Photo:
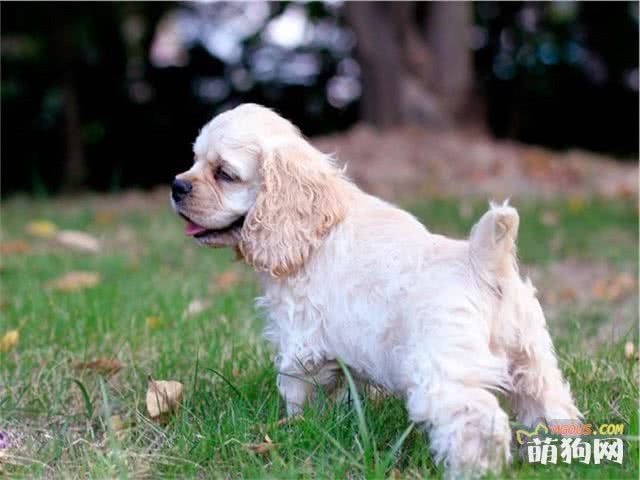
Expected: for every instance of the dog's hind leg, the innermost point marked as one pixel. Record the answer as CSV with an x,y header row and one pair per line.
x,y
468,431
538,390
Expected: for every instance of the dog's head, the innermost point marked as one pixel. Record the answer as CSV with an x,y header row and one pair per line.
x,y
257,185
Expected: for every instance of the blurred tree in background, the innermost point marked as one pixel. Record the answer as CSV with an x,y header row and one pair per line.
x,y
105,95
416,68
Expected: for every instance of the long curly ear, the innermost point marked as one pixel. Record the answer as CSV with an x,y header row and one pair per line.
x,y
300,200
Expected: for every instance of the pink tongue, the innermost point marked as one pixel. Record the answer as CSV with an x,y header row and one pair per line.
x,y
193,229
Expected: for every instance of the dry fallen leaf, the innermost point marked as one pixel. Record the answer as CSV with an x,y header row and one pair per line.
x,y
261,427
78,241
163,397
621,285
226,280
152,322
104,217
9,340
116,423
599,289
629,348
260,448
575,204
614,288
73,281
537,163
103,366
118,426
13,247
568,294
287,420
396,474
41,228
625,191
197,306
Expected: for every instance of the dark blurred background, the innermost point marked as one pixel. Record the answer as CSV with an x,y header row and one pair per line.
x,y
111,95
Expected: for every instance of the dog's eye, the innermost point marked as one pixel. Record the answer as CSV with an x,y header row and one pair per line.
x,y
220,174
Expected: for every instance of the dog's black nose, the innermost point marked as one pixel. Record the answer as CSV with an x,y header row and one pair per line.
x,y
179,188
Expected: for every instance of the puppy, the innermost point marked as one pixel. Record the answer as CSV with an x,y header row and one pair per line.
x,y
442,323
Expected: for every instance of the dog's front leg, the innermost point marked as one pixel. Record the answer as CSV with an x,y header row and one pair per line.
x,y
298,381
295,390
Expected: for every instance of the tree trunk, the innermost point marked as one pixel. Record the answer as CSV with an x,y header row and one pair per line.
x,y
75,170
405,78
380,57
448,31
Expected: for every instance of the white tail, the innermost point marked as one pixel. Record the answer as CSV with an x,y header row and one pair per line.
x,y
493,238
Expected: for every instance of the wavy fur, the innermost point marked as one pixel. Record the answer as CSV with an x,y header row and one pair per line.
x,y
300,200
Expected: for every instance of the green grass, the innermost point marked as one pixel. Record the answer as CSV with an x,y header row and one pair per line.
x,y
149,269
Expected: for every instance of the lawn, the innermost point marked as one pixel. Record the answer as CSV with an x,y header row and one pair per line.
x,y
64,421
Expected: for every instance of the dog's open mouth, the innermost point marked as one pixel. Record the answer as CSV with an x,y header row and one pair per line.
x,y
192,229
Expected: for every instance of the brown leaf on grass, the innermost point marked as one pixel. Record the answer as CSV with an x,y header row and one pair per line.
x,y
621,286
537,163
568,294
599,289
74,281
153,322
396,474
104,217
575,204
196,306
614,288
226,280
103,366
261,427
629,348
625,192
163,397
118,426
116,423
14,247
80,241
261,448
41,228
288,420
9,340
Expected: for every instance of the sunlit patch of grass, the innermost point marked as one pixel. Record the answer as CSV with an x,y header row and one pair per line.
x,y
149,269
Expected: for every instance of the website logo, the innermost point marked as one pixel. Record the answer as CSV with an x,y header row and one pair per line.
x,y
571,442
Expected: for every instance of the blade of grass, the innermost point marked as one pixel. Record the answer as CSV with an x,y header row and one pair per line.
x,y
88,405
390,457
370,450
232,387
113,443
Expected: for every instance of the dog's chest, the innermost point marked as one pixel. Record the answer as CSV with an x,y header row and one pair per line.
x,y
317,325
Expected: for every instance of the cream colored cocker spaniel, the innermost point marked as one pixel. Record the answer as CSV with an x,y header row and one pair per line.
x,y
444,324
